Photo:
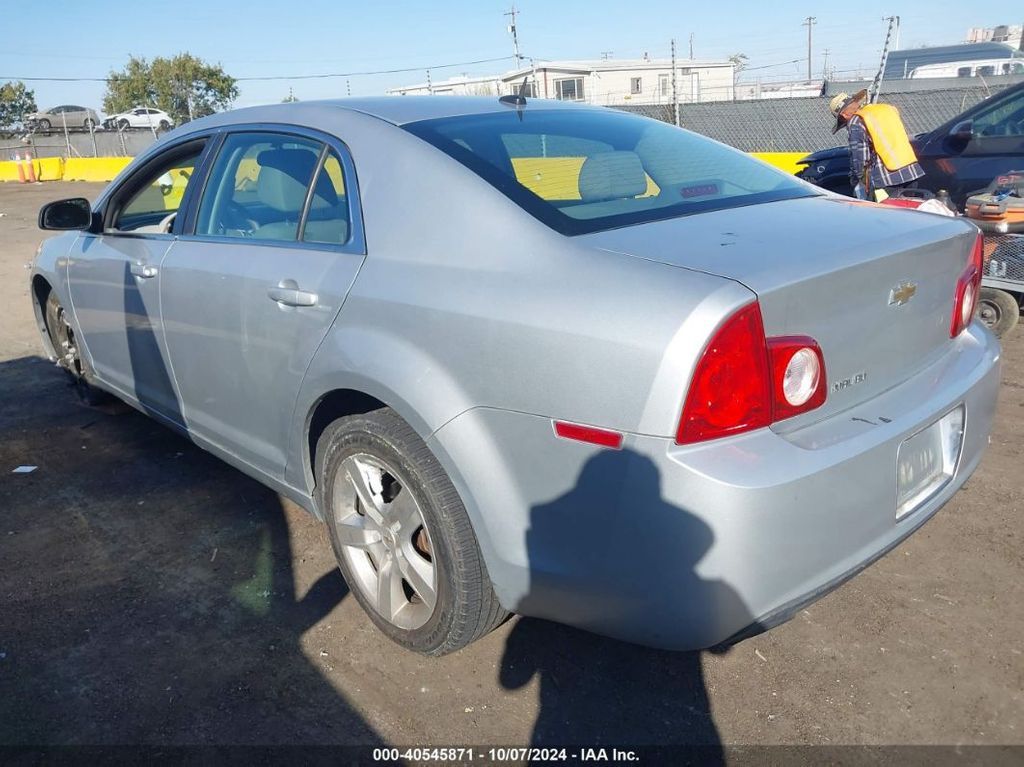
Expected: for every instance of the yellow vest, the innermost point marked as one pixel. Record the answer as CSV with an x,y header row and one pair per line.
x,y
888,135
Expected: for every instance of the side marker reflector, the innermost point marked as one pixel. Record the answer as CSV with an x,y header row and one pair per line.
x,y
591,434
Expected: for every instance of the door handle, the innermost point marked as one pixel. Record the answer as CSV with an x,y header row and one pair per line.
x,y
287,293
140,269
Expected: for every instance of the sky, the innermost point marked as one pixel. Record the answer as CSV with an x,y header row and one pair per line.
x,y
258,38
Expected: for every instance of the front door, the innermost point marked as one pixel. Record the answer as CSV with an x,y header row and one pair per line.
x,y
114,279
996,146
248,297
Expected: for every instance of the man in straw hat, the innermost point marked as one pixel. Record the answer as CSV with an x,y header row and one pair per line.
x,y
882,161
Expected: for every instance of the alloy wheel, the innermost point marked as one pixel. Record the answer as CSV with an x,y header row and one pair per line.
x,y
384,539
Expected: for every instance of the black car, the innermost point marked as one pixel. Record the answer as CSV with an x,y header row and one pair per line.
x,y
961,156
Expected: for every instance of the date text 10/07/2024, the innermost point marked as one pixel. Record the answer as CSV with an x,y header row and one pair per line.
x,y
503,754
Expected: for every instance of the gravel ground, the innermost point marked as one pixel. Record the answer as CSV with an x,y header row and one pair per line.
x,y
151,594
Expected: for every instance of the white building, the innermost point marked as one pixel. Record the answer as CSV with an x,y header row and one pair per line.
x,y
1009,34
608,82
463,85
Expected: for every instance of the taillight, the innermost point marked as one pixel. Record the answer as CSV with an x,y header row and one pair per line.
x,y
966,296
798,375
729,393
744,381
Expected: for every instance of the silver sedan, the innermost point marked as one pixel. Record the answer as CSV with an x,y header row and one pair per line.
x,y
522,356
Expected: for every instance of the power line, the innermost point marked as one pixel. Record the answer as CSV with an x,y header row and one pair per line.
x,y
277,77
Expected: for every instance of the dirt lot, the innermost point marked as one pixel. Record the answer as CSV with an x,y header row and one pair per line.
x,y
151,594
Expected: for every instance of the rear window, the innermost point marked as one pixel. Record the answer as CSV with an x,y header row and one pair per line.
x,y
583,171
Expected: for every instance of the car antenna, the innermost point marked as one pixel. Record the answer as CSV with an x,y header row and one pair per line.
x,y
518,100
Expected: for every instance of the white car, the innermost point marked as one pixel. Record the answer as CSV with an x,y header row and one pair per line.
x,y
141,117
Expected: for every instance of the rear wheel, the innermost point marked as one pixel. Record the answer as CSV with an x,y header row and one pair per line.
x,y
65,346
164,125
998,310
402,536
44,126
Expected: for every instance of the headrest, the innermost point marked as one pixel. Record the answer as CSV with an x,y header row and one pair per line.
x,y
612,176
284,178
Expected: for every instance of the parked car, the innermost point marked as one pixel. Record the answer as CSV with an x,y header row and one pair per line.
x,y
962,155
535,357
76,118
140,117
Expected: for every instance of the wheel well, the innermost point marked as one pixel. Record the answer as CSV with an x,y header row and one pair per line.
x,y
41,289
332,406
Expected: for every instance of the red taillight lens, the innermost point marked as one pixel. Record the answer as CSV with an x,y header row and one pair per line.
x,y
744,381
966,296
729,393
798,375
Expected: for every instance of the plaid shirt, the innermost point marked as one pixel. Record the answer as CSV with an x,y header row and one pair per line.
x,y
863,155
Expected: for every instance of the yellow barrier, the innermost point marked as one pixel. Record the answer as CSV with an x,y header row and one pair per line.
x,y
531,171
94,168
782,160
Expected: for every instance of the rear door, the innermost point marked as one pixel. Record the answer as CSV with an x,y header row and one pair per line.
x,y
114,279
248,295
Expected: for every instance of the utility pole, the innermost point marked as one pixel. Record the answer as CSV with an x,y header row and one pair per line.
x,y
512,31
809,23
605,55
691,46
675,92
348,86
824,66
876,84
430,87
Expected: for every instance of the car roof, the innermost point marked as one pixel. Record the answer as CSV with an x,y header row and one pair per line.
x,y
398,110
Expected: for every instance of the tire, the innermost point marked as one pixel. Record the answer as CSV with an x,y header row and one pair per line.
x,y
998,310
123,124
89,124
62,337
164,125
43,126
436,548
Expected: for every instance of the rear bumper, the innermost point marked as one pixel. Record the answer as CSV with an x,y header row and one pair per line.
x,y
690,547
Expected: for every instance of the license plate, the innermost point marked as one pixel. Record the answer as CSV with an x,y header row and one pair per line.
x,y
926,461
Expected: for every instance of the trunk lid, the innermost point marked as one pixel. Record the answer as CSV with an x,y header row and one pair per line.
x,y
827,268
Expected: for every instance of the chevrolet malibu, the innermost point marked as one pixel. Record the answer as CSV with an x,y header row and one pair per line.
x,y
523,356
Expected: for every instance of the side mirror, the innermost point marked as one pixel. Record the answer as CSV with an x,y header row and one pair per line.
x,y
962,132
63,215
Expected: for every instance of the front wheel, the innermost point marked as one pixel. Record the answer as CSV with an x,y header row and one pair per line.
x,y
402,536
998,310
65,346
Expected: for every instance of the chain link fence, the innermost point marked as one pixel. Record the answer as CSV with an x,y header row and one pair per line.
x,y
80,143
805,124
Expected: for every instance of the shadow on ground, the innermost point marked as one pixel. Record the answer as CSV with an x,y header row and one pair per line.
x,y
147,587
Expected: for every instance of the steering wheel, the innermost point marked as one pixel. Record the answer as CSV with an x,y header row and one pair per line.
x,y
234,218
167,222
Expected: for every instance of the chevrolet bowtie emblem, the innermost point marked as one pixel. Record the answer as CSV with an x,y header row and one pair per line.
x,y
902,293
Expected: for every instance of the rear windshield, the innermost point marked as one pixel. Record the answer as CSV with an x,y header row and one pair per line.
x,y
583,171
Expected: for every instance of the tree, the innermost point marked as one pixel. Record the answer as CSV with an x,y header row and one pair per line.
x,y
184,86
739,63
16,101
